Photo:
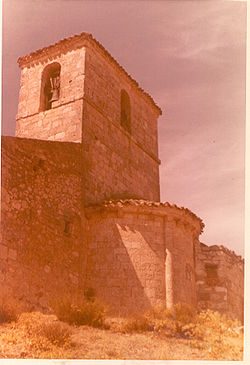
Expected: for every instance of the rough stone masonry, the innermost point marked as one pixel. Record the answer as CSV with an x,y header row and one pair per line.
x,y
80,195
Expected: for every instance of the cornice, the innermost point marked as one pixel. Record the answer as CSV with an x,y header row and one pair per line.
x,y
77,41
147,207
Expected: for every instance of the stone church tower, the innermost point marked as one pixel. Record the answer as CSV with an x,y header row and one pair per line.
x,y
75,91
81,204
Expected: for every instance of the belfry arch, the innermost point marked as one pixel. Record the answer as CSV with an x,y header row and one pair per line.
x,y
50,86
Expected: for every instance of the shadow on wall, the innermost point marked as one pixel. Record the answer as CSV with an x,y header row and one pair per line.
x,y
122,266
115,268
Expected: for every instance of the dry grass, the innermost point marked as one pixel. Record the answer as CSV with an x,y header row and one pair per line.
x,y
53,331
215,333
179,334
33,335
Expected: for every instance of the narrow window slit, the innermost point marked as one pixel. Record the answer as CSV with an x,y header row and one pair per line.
x,y
67,227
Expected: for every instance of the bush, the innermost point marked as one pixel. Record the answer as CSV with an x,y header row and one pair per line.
x,y
44,329
213,332
160,313
8,312
80,312
57,333
139,323
210,323
170,321
183,313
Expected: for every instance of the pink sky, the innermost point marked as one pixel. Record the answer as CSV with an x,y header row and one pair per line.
x,y
190,56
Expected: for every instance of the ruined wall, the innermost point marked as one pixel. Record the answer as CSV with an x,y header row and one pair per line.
x,y
64,121
123,164
42,250
220,280
127,263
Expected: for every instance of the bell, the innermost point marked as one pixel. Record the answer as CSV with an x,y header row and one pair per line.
x,y
55,95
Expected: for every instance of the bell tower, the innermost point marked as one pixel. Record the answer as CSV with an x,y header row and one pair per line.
x,y
75,91
51,93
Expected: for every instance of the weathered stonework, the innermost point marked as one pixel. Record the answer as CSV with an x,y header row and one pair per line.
x,y
117,164
220,283
41,192
80,194
139,253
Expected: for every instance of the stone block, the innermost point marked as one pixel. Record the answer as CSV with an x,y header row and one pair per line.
x,y
203,296
220,289
47,269
12,254
3,252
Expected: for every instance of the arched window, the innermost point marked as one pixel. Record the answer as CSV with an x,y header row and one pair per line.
x,y
50,86
125,111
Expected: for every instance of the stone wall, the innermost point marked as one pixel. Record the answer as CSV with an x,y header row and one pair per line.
x,y
42,250
137,259
115,166
119,164
181,236
135,254
220,280
103,84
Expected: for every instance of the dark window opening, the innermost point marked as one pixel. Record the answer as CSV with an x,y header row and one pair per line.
x,y
212,274
50,86
125,111
89,294
67,227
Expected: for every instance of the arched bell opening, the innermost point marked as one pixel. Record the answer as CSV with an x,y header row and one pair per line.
x,y
50,86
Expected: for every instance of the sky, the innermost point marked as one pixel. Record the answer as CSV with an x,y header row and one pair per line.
x,y
190,57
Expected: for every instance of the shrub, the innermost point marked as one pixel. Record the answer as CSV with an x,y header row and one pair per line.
x,y
44,329
210,323
8,311
160,313
11,307
162,321
159,319
214,331
57,333
80,312
139,323
183,313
